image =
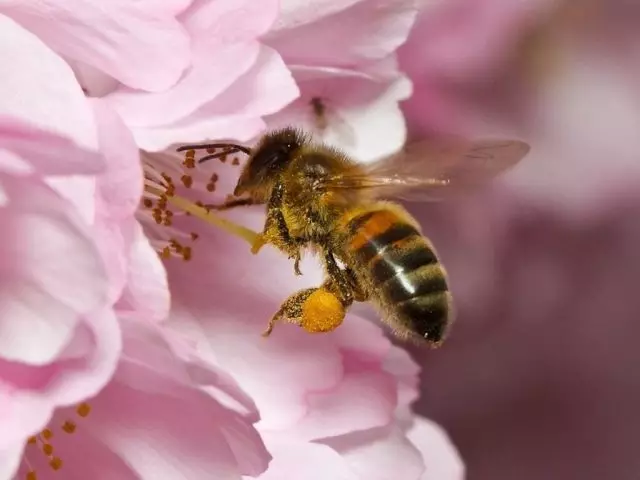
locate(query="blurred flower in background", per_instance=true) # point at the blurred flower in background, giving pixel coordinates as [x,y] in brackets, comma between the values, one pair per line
[537,378]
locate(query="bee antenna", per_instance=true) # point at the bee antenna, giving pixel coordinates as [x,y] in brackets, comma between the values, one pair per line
[204,146]
[230,148]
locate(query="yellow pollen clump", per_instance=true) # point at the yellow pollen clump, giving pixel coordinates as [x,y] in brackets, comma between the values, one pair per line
[322,312]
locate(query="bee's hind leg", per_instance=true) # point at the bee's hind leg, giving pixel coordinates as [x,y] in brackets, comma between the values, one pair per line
[317,310]
[290,310]
[342,281]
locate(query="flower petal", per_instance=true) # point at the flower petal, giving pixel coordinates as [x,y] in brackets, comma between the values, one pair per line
[120,37]
[31,393]
[265,88]
[367,30]
[46,254]
[214,69]
[46,92]
[230,20]
[294,460]
[359,105]
[10,460]
[441,459]
[167,437]
[147,290]
[43,151]
[379,454]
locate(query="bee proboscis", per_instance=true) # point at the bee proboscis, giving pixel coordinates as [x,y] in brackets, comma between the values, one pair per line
[373,250]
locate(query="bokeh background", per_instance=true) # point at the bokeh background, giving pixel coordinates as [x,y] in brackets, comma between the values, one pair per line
[539,377]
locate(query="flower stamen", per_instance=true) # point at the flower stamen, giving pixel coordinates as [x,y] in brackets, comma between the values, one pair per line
[43,440]
[162,204]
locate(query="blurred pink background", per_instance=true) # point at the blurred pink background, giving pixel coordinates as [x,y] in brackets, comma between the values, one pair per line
[538,379]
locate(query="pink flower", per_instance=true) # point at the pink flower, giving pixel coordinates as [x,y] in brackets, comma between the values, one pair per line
[342,58]
[335,406]
[164,414]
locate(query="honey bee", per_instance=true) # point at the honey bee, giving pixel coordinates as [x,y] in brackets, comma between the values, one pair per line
[373,250]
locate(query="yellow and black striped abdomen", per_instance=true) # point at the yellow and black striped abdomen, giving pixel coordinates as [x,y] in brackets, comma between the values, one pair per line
[403,271]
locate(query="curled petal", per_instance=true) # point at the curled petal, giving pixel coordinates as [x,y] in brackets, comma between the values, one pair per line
[265,88]
[50,97]
[42,151]
[146,289]
[442,461]
[293,460]
[380,454]
[120,38]
[230,20]
[367,30]
[46,255]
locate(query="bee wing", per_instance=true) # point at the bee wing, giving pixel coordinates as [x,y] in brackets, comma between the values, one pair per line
[432,169]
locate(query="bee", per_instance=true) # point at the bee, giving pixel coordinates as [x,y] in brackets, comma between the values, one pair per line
[373,250]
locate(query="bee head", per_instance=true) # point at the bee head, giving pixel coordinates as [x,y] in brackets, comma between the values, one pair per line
[267,161]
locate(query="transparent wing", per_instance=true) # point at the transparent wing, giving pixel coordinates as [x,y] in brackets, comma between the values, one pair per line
[431,169]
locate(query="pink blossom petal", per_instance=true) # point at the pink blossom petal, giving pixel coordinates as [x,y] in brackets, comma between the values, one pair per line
[362,400]
[366,396]
[48,254]
[294,460]
[30,394]
[168,436]
[160,138]
[120,38]
[117,196]
[367,30]
[146,289]
[159,362]
[214,68]
[296,13]
[399,363]
[9,460]
[45,91]
[441,459]
[48,153]
[230,20]
[87,372]
[265,88]
[358,106]
[120,187]
[380,454]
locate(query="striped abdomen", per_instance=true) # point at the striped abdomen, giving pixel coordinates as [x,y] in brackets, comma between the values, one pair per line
[403,270]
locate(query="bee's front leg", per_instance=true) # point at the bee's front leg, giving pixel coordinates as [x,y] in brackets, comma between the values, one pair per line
[277,233]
